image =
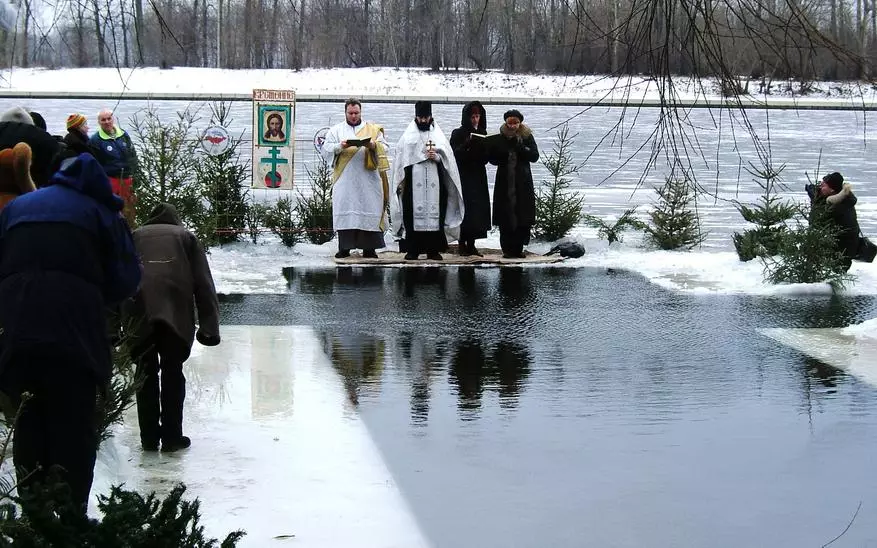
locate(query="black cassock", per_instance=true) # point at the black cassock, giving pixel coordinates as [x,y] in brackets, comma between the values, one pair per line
[471,155]
[420,242]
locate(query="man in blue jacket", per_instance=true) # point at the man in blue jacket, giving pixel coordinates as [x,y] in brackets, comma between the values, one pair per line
[65,254]
[114,150]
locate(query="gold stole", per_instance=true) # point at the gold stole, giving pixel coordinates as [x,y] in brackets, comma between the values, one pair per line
[374,159]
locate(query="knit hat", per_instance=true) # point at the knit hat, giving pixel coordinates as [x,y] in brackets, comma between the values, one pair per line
[74,121]
[835,181]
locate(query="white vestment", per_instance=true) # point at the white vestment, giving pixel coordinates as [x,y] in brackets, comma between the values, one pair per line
[411,151]
[357,194]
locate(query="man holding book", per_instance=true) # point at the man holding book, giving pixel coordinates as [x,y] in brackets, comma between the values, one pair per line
[357,152]
[471,157]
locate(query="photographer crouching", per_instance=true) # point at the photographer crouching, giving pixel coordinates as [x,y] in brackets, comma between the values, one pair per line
[833,202]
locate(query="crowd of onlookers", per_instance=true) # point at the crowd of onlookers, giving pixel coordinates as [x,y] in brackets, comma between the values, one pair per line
[68,263]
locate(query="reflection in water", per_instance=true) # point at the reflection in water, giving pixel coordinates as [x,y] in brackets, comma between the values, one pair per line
[471,370]
[467,373]
[358,358]
[822,373]
[512,362]
[324,282]
[271,380]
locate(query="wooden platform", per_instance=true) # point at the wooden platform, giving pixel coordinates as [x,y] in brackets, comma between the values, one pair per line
[450,257]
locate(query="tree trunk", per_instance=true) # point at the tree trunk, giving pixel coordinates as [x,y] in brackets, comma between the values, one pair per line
[25,37]
[138,29]
[126,59]
[98,30]
[205,54]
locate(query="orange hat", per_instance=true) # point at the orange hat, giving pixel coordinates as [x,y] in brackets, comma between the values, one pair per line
[75,120]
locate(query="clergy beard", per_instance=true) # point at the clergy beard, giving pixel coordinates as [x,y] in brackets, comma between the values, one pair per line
[423,126]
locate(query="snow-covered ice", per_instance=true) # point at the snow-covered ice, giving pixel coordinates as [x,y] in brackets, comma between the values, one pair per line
[277,449]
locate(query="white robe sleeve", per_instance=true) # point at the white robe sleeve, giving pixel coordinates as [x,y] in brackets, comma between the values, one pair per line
[331,146]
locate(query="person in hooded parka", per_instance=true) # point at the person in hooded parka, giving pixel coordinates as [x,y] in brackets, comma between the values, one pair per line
[471,161]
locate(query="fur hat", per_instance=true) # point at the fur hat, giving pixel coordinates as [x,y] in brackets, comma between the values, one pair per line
[74,121]
[15,172]
[835,181]
[17,114]
[422,109]
[514,112]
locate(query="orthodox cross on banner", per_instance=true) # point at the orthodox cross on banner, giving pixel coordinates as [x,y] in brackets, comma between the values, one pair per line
[274,161]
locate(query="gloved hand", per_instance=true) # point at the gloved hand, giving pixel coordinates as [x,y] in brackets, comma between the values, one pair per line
[207,340]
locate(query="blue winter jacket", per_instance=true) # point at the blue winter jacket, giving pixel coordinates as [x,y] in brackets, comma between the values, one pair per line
[65,254]
[115,153]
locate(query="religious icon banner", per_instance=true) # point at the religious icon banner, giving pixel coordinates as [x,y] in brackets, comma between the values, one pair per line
[273,138]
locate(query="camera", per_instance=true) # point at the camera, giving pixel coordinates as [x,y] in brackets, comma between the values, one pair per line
[812,190]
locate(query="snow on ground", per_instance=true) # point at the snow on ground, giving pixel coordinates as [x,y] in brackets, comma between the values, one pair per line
[382,81]
[248,268]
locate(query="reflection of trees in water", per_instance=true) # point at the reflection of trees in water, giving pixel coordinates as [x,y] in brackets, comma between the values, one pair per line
[358,358]
[810,312]
[505,368]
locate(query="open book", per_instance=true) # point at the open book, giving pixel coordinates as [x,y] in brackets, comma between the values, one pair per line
[359,142]
[490,140]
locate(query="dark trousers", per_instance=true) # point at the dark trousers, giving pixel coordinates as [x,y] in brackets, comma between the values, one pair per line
[513,240]
[56,429]
[160,398]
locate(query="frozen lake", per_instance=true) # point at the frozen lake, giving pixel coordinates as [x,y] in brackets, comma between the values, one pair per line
[615,146]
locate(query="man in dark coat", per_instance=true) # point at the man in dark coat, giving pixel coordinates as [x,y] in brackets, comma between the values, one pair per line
[17,126]
[471,159]
[514,198]
[65,254]
[176,280]
[834,202]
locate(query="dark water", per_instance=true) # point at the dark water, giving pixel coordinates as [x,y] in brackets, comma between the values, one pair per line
[576,407]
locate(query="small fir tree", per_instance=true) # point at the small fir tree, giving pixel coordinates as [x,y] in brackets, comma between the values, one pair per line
[674,225]
[223,179]
[769,216]
[255,218]
[808,253]
[612,232]
[558,209]
[280,219]
[169,169]
[315,211]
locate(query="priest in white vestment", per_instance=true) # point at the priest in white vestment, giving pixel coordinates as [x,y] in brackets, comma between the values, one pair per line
[357,152]
[428,200]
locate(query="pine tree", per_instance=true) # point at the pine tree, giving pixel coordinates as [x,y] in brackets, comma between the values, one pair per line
[223,179]
[808,253]
[612,232]
[168,169]
[674,224]
[315,211]
[281,220]
[770,216]
[558,209]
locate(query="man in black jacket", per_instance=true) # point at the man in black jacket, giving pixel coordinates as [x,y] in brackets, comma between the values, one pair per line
[833,201]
